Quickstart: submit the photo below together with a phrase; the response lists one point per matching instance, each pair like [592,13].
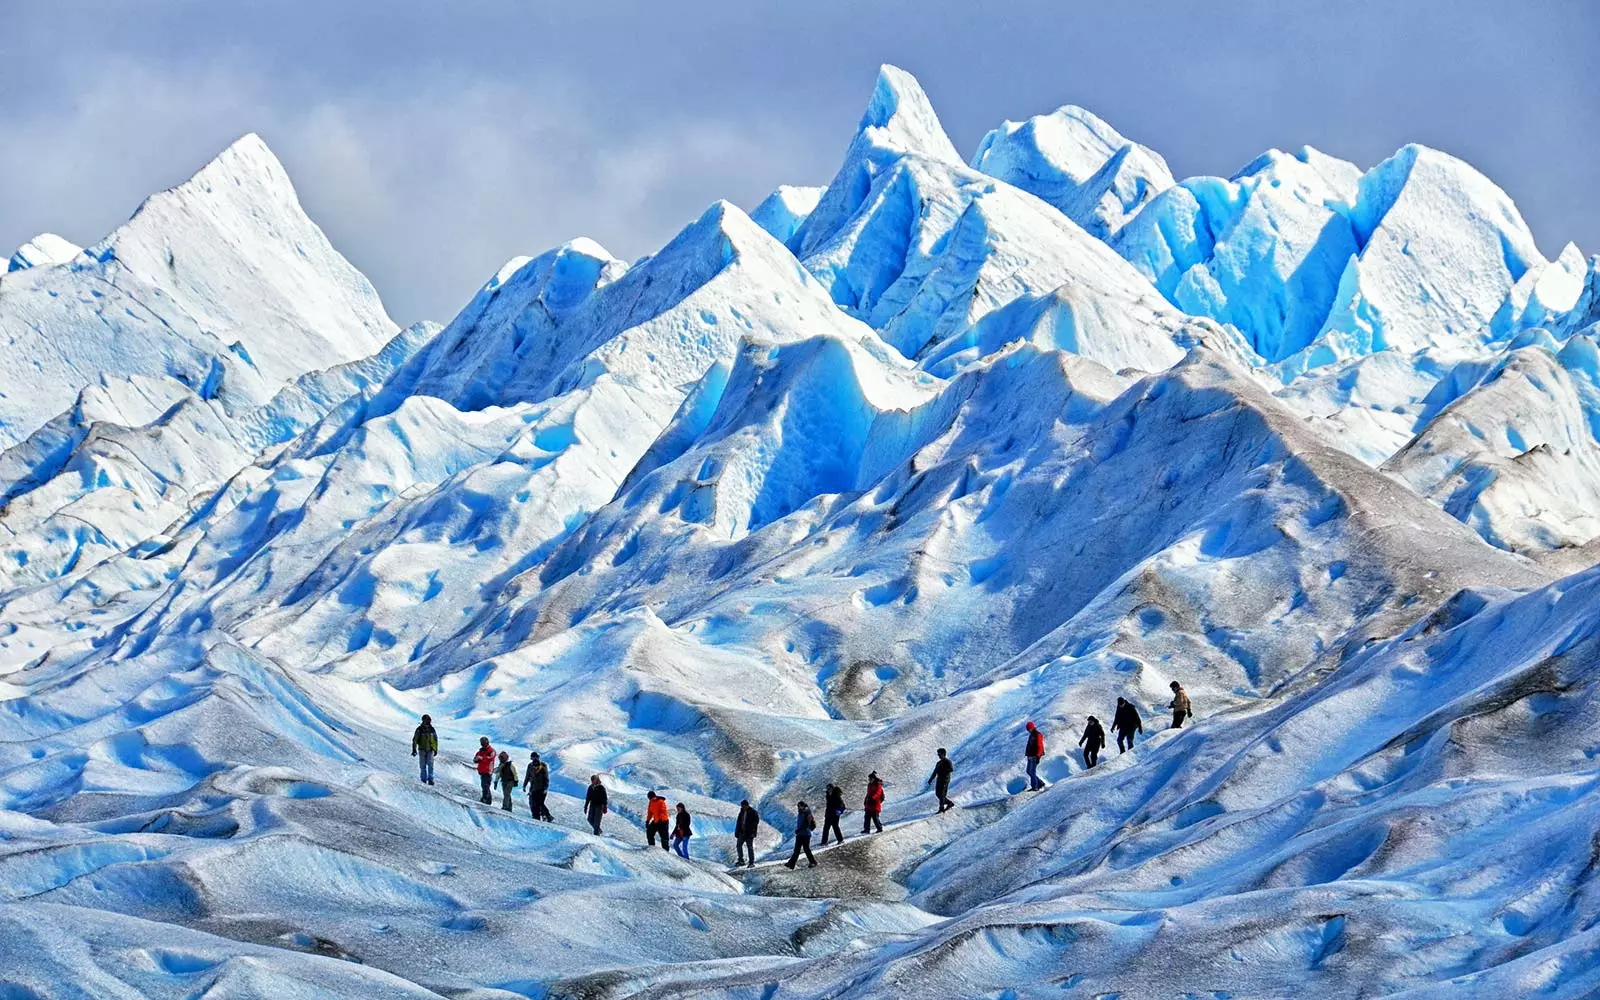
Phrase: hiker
[655,821]
[744,833]
[1181,709]
[873,804]
[832,809]
[594,803]
[424,745]
[1034,752]
[506,775]
[1125,723]
[804,823]
[681,831]
[940,780]
[1092,740]
[484,761]
[537,783]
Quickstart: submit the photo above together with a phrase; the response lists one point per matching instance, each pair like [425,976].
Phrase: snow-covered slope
[892,465]
[1516,456]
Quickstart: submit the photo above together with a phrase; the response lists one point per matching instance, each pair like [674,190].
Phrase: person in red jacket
[873,805]
[1034,752]
[485,760]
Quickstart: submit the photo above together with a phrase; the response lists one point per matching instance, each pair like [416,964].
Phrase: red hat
[1030,725]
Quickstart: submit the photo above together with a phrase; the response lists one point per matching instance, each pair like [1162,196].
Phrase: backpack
[811,820]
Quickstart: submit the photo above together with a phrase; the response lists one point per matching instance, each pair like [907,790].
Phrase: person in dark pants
[424,745]
[1181,709]
[940,780]
[682,830]
[744,833]
[655,821]
[506,777]
[1092,740]
[804,823]
[484,760]
[833,808]
[594,803]
[1034,751]
[537,782]
[1125,723]
[873,804]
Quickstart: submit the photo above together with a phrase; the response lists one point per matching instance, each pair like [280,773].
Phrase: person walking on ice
[506,775]
[804,823]
[1092,740]
[873,804]
[655,820]
[940,780]
[1181,709]
[594,803]
[682,830]
[744,833]
[424,745]
[832,809]
[1125,723]
[1034,752]
[484,760]
[537,783]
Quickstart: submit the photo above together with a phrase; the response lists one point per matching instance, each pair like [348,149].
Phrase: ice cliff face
[884,466]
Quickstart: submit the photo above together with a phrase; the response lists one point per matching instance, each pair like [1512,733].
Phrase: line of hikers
[673,828]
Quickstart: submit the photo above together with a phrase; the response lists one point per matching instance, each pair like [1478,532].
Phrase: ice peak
[43,250]
[901,118]
[1073,160]
[722,224]
[1439,182]
[784,210]
[899,123]
[246,163]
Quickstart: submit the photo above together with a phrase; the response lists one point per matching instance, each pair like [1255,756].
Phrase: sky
[434,140]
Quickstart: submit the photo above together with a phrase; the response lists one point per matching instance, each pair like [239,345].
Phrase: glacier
[893,463]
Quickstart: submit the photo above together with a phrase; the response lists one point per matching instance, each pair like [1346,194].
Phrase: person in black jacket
[940,780]
[594,803]
[804,823]
[1093,738]
[682,830]
[537,782]
[1125,723]
[1092,741]
[744,833]
[833,808]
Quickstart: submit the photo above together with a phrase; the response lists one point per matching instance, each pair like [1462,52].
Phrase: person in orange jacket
[1034,751]
[873,804]
[485,759]
[655,821]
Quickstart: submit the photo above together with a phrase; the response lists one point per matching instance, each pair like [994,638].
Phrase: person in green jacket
[424,745]
[507,777]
